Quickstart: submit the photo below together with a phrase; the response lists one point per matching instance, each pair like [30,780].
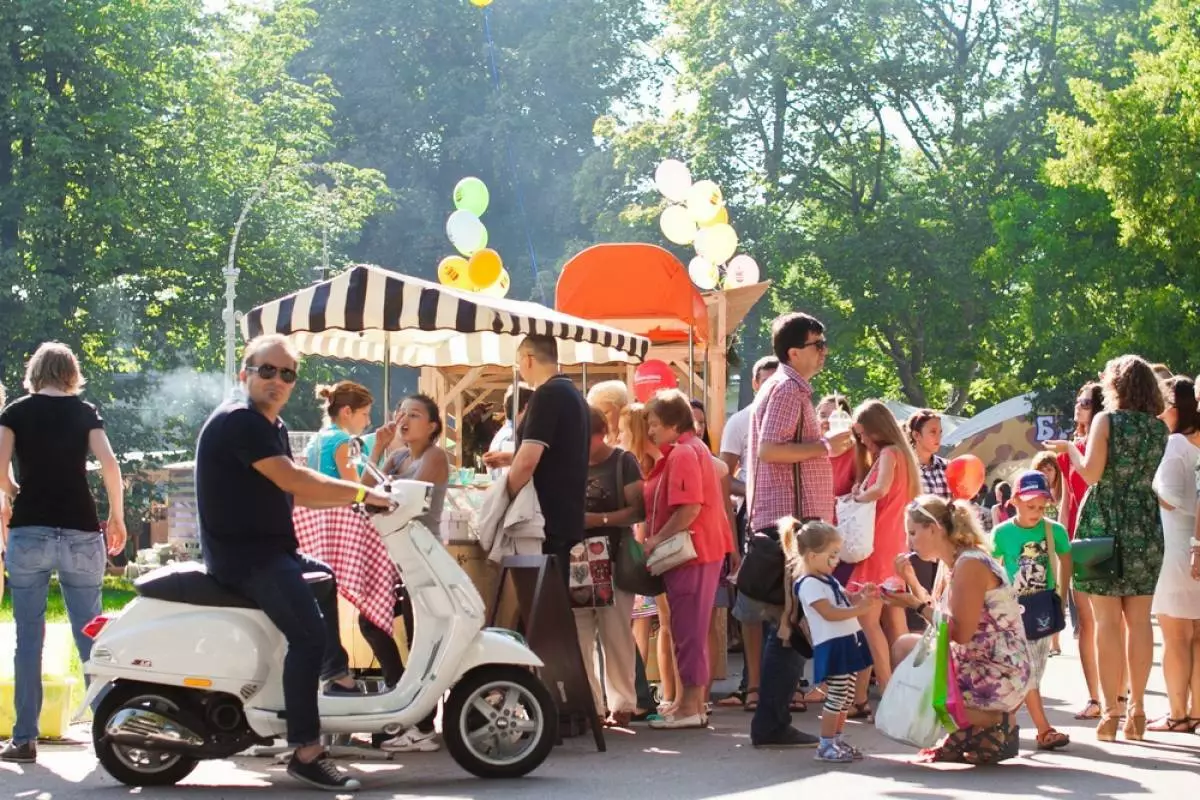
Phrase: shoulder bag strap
[798,439]
[1052,560]
[620,478]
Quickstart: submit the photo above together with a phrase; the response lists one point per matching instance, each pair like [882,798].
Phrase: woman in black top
[48,435]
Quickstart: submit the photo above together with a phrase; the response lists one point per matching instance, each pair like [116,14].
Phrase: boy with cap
[1022,544]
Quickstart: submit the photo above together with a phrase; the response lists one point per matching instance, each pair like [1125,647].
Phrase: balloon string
[512,164]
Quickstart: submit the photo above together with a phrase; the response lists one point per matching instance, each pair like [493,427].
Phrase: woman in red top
[1088,403]
[889,477]
[683,493]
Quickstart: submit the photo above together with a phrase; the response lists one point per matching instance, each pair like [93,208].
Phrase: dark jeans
[388,652]
[562,556]
[781,670]
[645,696]
[310,625]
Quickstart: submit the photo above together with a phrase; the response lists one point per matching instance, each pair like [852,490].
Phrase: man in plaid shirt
[785,436]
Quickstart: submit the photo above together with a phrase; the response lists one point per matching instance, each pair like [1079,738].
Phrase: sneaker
[320,773]
[789,738]
[829,750]
[412,741]
[24,753]
[337,690]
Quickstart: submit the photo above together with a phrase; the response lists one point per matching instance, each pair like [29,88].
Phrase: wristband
[361,495]
[827,445]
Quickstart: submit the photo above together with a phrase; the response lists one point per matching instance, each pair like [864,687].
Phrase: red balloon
[965,475]
[650,376]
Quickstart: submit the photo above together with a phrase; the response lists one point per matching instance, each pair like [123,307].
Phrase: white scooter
[196,671]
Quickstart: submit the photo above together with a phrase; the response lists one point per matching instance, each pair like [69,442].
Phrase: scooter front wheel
[499,722]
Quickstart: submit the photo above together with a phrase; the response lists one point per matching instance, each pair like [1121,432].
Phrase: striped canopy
[367,312]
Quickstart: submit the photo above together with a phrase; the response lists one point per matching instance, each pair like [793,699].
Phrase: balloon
[965,475]
[500,287]
[703,273]
[704,201]
[471,194]
[722,218]
[481,3]
[485,267]
[677,225]
[717,244]
[650,376]
[453,272]
[466,232]
[742,271]
[673,179]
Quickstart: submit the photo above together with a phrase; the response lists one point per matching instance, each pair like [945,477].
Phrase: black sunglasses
[820,344]
[269,371]
[1084,402]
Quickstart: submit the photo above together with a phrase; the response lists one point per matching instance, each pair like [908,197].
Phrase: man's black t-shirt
[245,519]
[557,418]
[50,453]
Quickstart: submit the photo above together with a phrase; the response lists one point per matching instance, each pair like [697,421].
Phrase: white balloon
[717,243]
[704,201]
[466,232]
[703,273]
[673,179]
[677,225]
[742,271]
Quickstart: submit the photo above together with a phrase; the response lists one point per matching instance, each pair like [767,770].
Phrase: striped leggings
[839,693]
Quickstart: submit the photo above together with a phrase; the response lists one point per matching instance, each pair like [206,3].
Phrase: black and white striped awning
[367,312]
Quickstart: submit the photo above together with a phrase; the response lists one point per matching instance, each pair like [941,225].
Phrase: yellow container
[58,701]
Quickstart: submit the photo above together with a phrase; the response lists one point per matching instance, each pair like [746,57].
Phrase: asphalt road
[715,763]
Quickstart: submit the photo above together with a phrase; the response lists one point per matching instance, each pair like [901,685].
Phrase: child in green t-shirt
[1021,544]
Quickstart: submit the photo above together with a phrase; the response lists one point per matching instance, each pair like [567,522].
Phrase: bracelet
[828,447]
[361,495]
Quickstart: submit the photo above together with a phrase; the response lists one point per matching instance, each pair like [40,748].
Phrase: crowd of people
[1101,528]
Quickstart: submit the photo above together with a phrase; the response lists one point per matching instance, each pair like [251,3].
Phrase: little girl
[840,650]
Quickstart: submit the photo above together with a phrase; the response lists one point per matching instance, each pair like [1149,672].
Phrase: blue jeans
[314,648]
[781,670]
[34,552]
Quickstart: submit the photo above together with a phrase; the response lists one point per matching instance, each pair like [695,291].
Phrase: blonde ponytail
[965,531]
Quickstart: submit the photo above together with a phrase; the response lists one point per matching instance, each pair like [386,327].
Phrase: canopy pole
[387,377]
[585,387]
[691,363]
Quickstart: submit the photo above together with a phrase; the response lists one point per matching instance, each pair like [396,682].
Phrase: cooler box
[59,698]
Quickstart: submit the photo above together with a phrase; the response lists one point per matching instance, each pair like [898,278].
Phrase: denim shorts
[748,611]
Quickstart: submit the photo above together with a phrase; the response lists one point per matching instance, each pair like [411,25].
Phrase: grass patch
[116,595]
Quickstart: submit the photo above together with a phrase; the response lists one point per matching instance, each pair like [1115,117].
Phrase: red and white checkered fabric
[346,540]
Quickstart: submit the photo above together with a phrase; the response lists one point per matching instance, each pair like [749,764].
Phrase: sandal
[1106,731]
[750,706]
[1090,711]
[798,706]
[1169,725]
[993,744]
[861,711]
[950,751]
[1135,728]
[733,700]
[816,695]
[1052,740]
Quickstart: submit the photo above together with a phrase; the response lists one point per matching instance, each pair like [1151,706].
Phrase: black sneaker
[337,690]
[14,753]
[321,773]
[789,738]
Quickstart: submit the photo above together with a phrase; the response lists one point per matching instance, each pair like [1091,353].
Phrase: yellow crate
[59,698]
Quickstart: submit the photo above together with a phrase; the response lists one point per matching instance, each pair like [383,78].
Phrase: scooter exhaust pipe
[149,730]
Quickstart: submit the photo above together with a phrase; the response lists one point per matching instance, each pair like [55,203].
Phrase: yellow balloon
[481,3]
[454,271]
[485,267]
[722,218]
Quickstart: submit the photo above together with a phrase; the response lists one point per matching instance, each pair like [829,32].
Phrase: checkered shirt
[345,540]
[933,478]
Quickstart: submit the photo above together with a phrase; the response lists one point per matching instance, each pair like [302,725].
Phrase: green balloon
[471,194]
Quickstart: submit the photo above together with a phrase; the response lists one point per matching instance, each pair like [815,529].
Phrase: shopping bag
[591,574]
[856,523]
[629,569]
[947,698]
[905,712]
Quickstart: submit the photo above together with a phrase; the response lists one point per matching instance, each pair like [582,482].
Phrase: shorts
[749,611]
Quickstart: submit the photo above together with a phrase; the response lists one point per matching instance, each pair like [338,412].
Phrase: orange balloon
[485,267]
[965,475]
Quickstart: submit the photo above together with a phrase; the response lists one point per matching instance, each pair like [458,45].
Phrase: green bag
[629,569]
[942,680]
[1094,559]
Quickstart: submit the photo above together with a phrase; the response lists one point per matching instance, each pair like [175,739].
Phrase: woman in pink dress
[889,477]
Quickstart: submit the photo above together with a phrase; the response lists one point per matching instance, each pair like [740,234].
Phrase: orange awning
[640,288]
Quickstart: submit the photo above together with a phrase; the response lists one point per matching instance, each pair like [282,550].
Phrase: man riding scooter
[246,484]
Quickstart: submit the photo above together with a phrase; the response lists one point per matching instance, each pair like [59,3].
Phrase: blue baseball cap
[1032,483]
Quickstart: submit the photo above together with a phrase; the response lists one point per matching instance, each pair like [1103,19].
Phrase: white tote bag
[856,523]
[905,711]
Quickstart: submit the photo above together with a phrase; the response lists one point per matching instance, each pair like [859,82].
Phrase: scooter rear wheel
[130,765]
[500,722]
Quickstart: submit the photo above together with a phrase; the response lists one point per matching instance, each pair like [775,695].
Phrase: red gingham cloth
[347,541]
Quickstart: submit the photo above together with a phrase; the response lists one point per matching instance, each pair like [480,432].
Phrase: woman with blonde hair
[611,398]
[888,476]
[987,636]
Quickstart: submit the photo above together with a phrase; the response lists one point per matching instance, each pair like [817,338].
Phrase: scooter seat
[190,583]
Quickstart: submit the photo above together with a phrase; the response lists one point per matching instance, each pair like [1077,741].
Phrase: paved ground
[710,764]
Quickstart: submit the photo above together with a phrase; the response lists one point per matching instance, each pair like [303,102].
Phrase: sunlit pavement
[718,762]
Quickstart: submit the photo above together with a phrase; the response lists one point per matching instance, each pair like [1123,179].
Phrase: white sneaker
[412,741]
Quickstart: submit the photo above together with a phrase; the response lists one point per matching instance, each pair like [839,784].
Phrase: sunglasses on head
[269,371]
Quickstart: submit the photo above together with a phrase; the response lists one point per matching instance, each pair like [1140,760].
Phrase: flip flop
[1052,740]
[751,706]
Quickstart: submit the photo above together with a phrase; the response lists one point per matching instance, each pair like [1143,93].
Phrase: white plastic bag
[856,523]
[905,711]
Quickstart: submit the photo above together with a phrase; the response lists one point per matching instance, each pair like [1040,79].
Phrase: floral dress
[994,667]
[1123,505]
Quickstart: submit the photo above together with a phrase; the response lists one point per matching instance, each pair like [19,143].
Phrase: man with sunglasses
[246,484]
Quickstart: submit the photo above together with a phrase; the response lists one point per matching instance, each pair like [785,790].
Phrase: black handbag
[1042,612]
[629,556]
